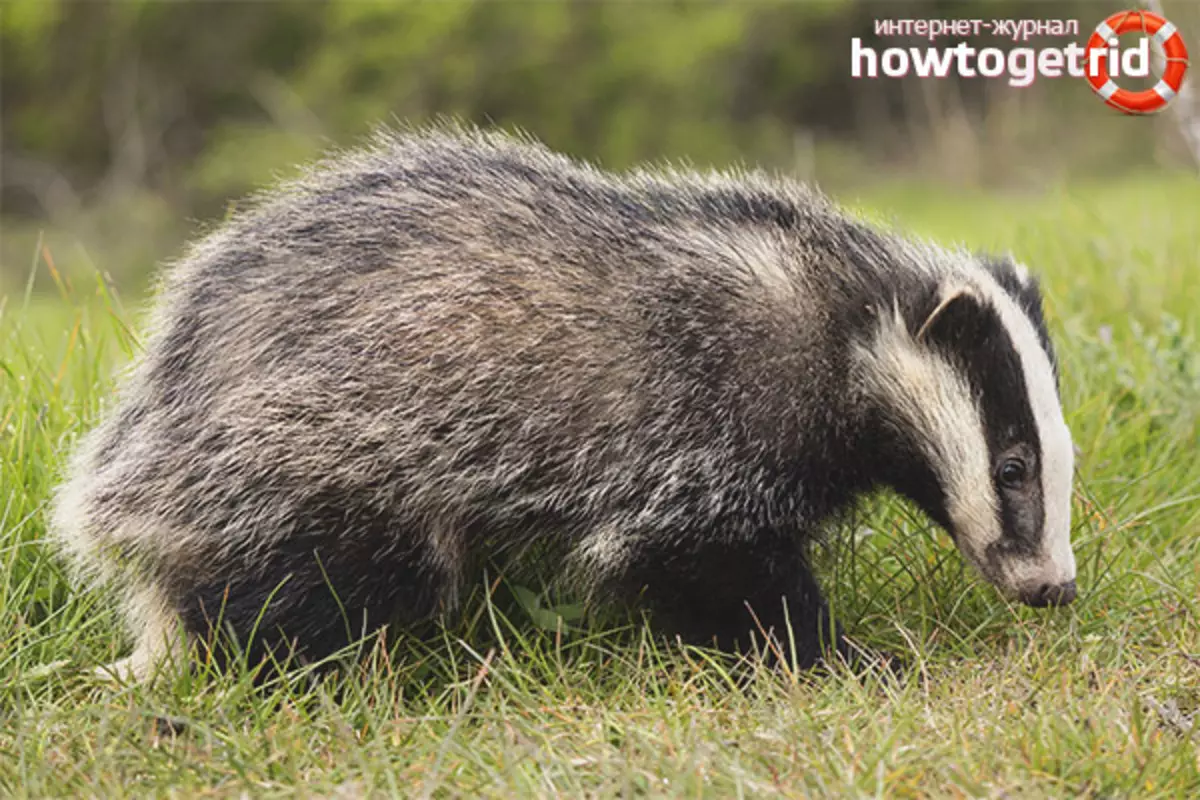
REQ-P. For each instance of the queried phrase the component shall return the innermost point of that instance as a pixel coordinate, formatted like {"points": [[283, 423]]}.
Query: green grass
{"points": [[1099, 699]]}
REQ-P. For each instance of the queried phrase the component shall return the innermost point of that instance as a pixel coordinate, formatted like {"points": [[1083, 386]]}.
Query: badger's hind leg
{"points": [[159, 639], [317, 592]]}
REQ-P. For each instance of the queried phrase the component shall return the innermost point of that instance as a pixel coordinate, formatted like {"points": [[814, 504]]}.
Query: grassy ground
{"points": [[1099, 699]]}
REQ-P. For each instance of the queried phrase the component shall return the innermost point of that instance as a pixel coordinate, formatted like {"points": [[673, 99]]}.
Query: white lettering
{"points": [[1021, 66], [996, 59], [1140, 55], [1004, 27], [1050, 62], [857, 54], [962, 53], [1074, 53], [895, 62], [932, 63]]}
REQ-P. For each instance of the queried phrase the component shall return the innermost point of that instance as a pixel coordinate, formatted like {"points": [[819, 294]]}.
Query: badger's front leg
{"points": [[735, 595]]}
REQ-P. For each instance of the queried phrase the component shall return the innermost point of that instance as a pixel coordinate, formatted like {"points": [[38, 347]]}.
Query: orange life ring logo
{"points": [[1161, 31]]}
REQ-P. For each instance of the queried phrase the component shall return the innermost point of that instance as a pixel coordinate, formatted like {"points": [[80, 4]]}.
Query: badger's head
{"points": [[965, 383]]}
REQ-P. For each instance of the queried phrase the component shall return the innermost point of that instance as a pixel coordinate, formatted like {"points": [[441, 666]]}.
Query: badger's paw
{"points": [[154, 657], [122, 671]]}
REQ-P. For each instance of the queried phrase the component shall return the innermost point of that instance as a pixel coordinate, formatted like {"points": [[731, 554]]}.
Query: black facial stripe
{"points": [[1027, 296]]}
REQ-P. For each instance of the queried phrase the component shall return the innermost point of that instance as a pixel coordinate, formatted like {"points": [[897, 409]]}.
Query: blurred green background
{"points": [[129, 125]]}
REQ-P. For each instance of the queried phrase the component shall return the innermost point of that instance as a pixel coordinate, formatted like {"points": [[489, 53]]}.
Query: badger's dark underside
{"points": [[315, 594]]}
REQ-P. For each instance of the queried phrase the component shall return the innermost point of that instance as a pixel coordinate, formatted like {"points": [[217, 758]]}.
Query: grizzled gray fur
{"points": [[455, 347]]}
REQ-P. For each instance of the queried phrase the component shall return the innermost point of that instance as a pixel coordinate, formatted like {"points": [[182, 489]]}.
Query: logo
{"points": [[1102, 54], [1101, 62]]}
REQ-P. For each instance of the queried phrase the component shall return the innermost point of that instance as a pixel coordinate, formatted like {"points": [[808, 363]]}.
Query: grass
{"points": [[1099, 699]]}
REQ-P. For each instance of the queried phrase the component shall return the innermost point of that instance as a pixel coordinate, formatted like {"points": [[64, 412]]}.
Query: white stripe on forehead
{"points": [[1057, 452], [935, 401], [1022, 273]]}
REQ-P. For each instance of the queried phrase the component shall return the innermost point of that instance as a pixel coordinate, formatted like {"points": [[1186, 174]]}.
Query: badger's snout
{"points": [[1050, 594]]}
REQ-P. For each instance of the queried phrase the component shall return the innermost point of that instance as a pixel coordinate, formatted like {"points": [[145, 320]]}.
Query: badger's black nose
{"points": [[1052, 594]]}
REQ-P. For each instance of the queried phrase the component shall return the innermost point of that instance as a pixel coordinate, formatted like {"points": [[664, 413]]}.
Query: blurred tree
{"points": [[132, 115]]}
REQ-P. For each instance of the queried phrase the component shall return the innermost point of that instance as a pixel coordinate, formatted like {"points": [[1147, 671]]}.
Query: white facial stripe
{"points": [[1058, 455], [935, 400]]}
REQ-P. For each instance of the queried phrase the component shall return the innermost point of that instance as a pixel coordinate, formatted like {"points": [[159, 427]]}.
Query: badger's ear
{"points": [[959, 317]]}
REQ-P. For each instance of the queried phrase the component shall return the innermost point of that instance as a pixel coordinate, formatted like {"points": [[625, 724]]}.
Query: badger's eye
{"points": [[1012, 473]]}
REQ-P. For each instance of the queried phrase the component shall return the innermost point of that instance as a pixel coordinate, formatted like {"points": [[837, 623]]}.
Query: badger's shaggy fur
{"points": [[454, 346]]}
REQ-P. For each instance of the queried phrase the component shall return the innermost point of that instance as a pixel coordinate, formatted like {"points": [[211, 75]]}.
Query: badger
{"points": [[452, 348]]}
